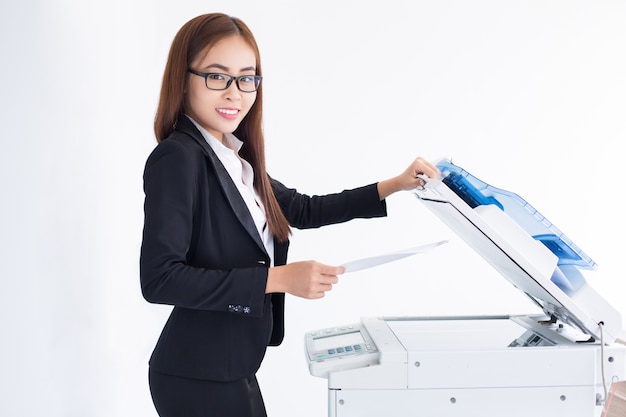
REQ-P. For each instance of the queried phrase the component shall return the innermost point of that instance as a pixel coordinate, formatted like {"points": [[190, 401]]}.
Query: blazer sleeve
{"points": [[167, 277], [305, 212]]}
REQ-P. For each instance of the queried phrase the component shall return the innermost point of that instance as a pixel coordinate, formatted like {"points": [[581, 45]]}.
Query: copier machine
{"points": [[560, 362]]}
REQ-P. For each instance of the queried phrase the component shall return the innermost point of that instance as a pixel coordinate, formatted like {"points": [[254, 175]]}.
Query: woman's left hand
{"points": [[409, 179]]}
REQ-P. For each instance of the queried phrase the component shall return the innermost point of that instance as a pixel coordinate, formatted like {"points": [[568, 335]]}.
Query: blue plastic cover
{"points": [[476, 192]]}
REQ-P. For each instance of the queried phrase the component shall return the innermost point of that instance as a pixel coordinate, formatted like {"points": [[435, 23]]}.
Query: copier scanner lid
{"points": [[526, 248]]}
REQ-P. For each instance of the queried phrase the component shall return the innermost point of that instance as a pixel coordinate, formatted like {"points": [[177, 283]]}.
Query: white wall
{"points": [[527, 95]]}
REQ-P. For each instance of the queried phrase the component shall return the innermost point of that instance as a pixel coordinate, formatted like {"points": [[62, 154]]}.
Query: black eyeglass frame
{"points": [[205, 75]]}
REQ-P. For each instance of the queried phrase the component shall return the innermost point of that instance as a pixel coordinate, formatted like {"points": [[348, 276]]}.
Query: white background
{"points": [[529, 96]]}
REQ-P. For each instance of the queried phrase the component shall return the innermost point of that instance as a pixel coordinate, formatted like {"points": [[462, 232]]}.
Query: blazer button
{"points": [[261, 262], [235, 308]]}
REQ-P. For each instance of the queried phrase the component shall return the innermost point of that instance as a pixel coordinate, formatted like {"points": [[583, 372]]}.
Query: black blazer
{"points": [[201, 253]]}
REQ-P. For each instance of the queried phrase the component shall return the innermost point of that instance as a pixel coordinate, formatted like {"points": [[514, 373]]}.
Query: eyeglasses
{"points": [[219, 81]]}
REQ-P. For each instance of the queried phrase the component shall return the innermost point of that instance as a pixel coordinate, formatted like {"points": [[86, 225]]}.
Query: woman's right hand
{"points": [[306, 279]]}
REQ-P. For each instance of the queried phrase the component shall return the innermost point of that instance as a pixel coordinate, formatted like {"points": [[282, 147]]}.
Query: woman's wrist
{"points": [[272, 284], [387, 187]]}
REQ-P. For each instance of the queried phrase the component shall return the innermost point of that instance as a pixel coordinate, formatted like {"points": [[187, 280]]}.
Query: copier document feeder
{"points": [[558, 362]]}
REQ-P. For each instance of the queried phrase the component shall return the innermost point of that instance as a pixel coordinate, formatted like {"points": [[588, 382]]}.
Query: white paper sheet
{"points": [[370, 262]]}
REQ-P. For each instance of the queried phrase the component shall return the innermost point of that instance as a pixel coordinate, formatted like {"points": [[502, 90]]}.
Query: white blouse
{"points": [[242, 175]]}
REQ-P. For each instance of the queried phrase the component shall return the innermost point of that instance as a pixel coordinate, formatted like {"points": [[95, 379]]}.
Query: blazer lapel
{"points": [[233, 196]]}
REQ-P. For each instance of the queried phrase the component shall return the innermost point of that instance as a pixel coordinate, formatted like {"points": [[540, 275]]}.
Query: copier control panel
{"points": [[350, 343]]}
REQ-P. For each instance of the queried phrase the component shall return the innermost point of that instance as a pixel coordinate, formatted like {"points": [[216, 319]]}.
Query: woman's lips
{"points": [[230, 114]]}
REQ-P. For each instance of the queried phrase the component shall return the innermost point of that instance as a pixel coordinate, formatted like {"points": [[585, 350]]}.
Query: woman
{"points": [[217, 227]]}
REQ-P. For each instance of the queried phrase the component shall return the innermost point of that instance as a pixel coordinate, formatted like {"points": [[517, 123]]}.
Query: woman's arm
{"points": [[305, 212], [311, 279]]}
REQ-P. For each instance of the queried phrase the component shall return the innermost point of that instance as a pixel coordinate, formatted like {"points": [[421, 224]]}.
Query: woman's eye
{"points": [[246, 79], [215, 77]]}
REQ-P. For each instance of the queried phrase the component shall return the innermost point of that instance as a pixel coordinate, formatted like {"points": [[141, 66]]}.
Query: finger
{"points": [[433, 171], [327, 280], [315, 295], [331, 270], [430, 171], [423, 166], [322, 289]]}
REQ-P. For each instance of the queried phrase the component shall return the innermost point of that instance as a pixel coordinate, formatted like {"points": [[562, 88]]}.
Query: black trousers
{"points": [[175, 396]]}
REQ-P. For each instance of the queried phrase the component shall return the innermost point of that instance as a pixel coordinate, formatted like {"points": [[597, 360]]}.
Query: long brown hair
{"points": [[195, 37]]}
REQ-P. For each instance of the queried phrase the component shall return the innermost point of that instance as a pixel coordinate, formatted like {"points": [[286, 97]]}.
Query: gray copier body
{"points": [[558, 363]]}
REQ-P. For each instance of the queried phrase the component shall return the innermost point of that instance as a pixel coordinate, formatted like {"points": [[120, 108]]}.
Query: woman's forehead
{"points": [[232, 52]]}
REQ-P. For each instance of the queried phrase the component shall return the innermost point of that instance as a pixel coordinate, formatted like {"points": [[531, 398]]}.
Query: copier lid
{"points": [[526, 248]]}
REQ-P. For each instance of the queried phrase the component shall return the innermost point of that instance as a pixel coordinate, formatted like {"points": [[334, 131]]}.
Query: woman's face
{"points": [[221, 111]]}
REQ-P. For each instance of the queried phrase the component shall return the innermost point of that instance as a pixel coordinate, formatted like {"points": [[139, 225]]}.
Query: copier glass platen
{"points": [[559, 362]]}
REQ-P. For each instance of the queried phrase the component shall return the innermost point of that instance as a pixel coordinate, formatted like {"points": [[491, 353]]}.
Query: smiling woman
{"points": [[213, 100], [216, 228], [531, 93]]}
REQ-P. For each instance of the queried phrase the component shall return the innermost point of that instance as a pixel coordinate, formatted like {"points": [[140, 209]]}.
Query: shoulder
{"points": [[176, 146], [282, 192], [180, 142], [178, 157]]}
